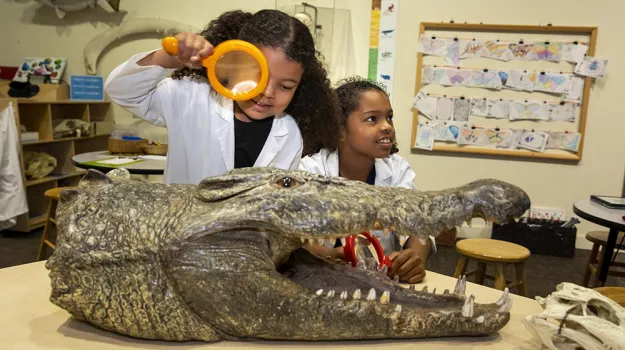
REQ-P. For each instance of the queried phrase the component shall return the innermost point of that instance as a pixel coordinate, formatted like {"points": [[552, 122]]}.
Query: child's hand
{"points": [[193, 49], [408, 265]]}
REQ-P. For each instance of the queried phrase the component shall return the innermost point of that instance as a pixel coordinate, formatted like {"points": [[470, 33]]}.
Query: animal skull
{"points": [[575, 317]]}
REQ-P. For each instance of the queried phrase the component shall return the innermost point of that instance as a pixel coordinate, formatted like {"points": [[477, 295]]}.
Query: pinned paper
{"points": [[548, 51], [497, 136], [485, 79], [533, 140], [591, 67], [458, 76], [447, 131], [532, 110], [472, 136], [444, 108], [472, 48], [575, 89], [462, 110], [432, 46], [512, 141], [498, 50], [425, 137], [453, 52], [568, 141], [519, 80], [425, 104], [434, 75], [480, 107], [561, 112], [552, 82], [573, 52], [499, 109], [523, 52]]}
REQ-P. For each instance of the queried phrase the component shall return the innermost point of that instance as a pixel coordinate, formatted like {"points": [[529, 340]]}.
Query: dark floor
{"points": [[543, 272]]}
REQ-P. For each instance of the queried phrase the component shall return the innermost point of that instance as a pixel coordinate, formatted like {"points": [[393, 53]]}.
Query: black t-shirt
{"points": [[249, 139]]}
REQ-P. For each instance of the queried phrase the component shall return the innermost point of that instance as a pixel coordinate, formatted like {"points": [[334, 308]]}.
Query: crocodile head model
{"points": [[224, 259]]}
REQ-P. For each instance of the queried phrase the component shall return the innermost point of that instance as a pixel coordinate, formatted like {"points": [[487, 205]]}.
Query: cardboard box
{"points": [[47, 92]]}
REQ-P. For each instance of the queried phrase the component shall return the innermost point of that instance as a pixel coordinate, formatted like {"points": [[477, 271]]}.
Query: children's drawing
{"points": [[444, 108], [453, 52], [498, 50], [512, 141], [425, 137], [548, 51], [432, 46], [499, 109], [425, 104], [573, 52], [462, 109], [497, 136], [385, 76], [446, 131], [472, 48], [591, 67], [458, 76], [575, 90], [434, 75], [519, 80], [522, 51], [472, 136], [533, 110], [387, 32], [503, 76], [561, 112], [50, 67], [533, 140], [552, 82], [387, 55], [533, 78], [488, 79], [480, 107], [568, 141]]}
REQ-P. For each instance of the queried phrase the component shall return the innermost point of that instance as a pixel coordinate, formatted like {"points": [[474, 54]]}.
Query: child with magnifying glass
{"points": [[209, 134]]}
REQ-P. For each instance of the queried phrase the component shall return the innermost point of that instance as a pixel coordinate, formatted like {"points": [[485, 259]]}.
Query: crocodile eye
{"points": [[287, 182]]}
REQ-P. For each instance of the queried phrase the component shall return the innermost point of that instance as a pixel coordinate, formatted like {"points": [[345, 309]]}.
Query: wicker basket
{"points": [[155, 149], [126, 146]]}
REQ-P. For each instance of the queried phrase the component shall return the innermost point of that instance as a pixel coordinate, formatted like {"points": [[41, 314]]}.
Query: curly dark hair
{"points": [[349, 91], [314, 106]]}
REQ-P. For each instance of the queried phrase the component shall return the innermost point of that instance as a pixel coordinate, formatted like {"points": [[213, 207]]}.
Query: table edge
{"points": [[597, 220]]}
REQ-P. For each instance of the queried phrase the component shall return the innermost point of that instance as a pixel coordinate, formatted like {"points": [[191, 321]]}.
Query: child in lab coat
{"points": [[367, 152], [208, 134]]}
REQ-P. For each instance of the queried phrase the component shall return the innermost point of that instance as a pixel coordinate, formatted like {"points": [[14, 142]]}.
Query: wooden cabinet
{"points": [[41, 116]]}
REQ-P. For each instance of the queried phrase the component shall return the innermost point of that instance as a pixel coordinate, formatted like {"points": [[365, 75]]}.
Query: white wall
{"points": [[601, 170]]}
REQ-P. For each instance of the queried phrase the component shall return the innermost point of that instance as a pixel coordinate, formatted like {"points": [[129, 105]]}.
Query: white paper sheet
{"points": [[432, 46], [533, 140], [575, 89], [472, 136], [499, 109], [425, 137], [531, 110], [462, 109], [574, 53], [568, 141], [561, 112], [591, 67], [552, 82], [444, 108], [425, 104], [480, 106]]}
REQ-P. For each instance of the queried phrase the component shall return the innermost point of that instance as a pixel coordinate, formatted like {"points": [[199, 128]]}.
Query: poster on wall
{"points": [[382, 42]]}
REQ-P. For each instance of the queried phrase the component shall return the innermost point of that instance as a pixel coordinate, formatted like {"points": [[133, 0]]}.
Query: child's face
{"points": [[370, 128], [284, 77]]}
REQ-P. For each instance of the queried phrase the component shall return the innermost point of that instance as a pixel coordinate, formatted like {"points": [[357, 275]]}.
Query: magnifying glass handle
{"points": [[170, 44]]}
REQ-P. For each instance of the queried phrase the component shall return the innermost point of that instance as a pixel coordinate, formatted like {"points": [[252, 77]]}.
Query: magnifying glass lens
{"points": [[238, 71]]}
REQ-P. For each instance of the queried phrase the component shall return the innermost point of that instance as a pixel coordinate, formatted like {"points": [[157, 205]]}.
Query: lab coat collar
{"points": [[383, 173]]}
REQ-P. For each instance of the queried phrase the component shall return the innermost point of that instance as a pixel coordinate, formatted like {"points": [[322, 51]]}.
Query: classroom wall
{"points": [[39, 33]]}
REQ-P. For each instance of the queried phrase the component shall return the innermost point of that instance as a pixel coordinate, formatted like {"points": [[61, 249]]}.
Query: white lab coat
{"points": [[12, 193], [392, 171], [199, 121]]}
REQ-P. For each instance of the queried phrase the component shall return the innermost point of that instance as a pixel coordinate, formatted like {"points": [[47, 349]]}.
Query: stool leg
{"points": [[481, 271], [46, 232], [520, 276], [461, 267], [500, 278], [591, 260]]}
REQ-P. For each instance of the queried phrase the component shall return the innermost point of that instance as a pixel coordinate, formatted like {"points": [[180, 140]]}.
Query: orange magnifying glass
{"points": [[236, 69]]}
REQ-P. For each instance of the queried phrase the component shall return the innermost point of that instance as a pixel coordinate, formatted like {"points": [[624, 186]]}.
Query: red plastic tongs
{"points": [[350, 253]]}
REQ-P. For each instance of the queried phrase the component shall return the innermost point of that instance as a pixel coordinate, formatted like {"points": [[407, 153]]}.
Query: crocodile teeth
{"points": [[303, 240], [446, 291], [319, 292], [414, 287], [507, 305], [383, 270], [467, 308], [425, 289], [311, 241], [480, 319], [343, 241], [320, 241], [371, 295], [331, 294], [434, 290], [503, 297], [386, 297], [357, 294], [398, 308], [344, 295], [461, 285]]}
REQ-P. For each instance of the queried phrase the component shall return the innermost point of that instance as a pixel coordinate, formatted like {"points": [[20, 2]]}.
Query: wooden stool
{"points": [[599, 240], [617, 294], [53, 196], [500, 253]]}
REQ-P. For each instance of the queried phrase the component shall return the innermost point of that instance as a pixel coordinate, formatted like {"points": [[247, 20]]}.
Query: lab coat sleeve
{"points": [[12, 193], [297, 161], [141, 90]]}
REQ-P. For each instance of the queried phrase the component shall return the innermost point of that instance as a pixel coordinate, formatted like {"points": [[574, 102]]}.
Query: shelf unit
{"points": [[40, 116]]}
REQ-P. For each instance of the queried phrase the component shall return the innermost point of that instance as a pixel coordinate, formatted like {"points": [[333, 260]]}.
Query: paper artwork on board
{"points": [[552, 82], [497, 136], [548, 51], [425, 104], [485, 79], [444, 108], [480, 106], [568, 141], [498, 50], [472, 48], [575, 89], [462, 110], [430, 45], [591, 67], [472, 136], [512, 141], [532, 110], [533, 140], [447, 131], [573, 52], [564, 112], [453, 52], [519, 80], [425, 137], [499, 109]]}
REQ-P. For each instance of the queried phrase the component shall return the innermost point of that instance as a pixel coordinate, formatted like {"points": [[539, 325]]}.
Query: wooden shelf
{"points": [[65, 139], [41, 116], [53, 177]]}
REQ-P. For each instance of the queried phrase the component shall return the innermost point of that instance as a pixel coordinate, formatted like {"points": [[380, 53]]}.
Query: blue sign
{"points": [[87, 87]]}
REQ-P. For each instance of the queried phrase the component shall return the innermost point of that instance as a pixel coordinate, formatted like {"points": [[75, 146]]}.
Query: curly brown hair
{"points": [[349, 91], [314, 106]]}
